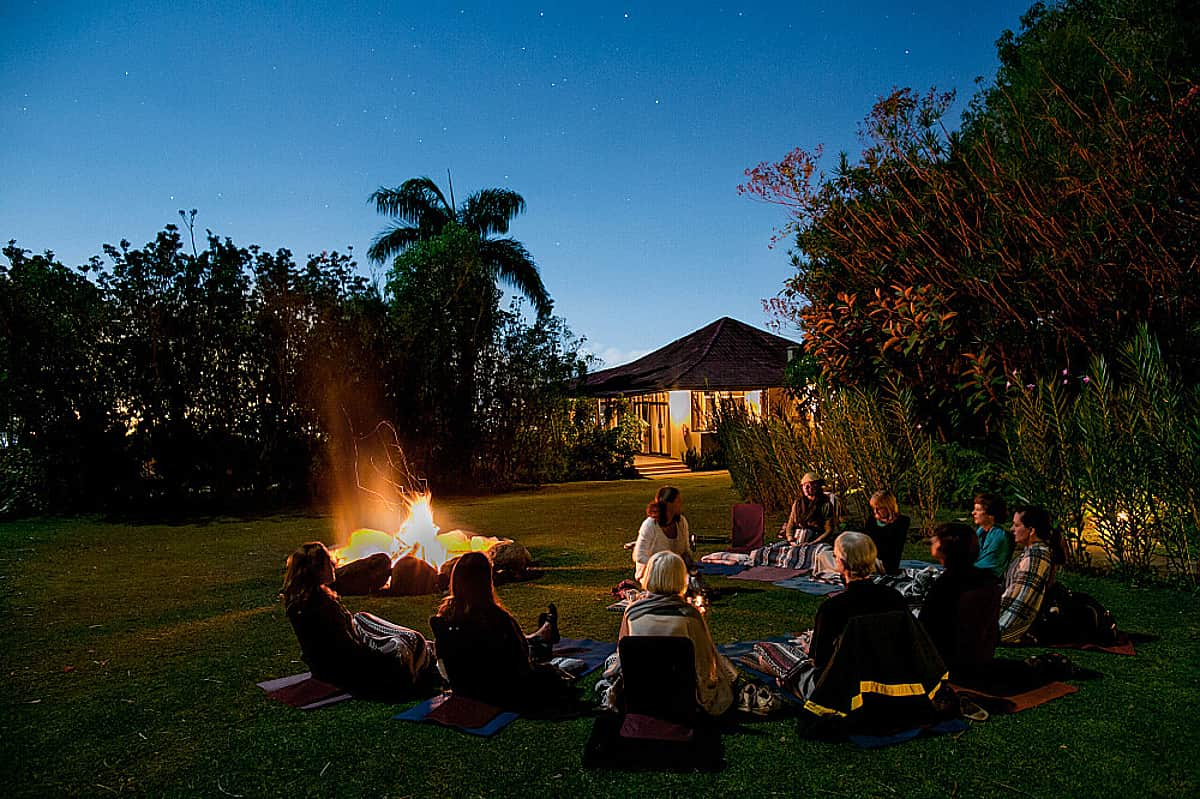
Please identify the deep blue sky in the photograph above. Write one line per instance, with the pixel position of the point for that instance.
(626, 128)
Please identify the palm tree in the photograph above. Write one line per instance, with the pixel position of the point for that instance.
(423, 212)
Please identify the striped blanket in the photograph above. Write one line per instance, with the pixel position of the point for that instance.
(787, 556)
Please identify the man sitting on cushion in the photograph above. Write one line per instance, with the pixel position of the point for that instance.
(854, 556)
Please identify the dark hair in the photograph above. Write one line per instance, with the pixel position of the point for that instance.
(301, 575)
(1038, 518)
(657, 509)
(471, 587)
(960, 545)
(991, 503)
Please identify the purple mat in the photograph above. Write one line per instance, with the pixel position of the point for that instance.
(766, 574)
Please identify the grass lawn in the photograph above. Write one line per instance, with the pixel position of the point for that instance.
(130, 654)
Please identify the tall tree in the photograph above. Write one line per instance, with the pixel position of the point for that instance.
(422, 212)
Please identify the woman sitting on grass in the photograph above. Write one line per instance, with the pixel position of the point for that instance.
(663, 611)
(888, 528)
(995, 545)
(361, 653)
(960, 611)
(483, 652)
(665, 529)
(1031, 574)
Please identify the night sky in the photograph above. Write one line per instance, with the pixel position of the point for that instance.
(626, 128)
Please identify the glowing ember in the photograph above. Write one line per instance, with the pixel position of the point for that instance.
(417, 537)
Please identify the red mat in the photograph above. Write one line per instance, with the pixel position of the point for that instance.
(304, 691)
(1001, 705)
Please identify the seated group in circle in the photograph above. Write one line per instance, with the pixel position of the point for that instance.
(481, 651)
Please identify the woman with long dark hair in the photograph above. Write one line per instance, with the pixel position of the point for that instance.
(665, 529)
(360, 652)
(483, 652)
(1031, 573)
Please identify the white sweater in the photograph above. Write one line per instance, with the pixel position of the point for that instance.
(651, 539)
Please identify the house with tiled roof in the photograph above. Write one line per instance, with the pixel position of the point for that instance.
(675, 389)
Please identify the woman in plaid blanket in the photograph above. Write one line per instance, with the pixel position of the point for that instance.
(361, 653)
(1030, 576)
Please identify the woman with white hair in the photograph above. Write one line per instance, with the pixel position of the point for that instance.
(662, 610)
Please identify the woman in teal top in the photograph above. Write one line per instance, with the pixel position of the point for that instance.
(995, 545)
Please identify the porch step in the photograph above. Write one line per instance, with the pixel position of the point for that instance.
(655, 468)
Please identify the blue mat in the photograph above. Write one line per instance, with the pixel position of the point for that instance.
(917, 564)
(421, 713)
(593, 653)
(879, 741)
(721, 569)
(808, 585)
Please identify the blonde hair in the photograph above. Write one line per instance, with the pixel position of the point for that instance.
(886, 499)
(666, 573)
(857, 553)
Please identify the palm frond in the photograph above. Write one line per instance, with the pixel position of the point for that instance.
(413, 201)
(393, 241)
(511, 262)
(490, 211)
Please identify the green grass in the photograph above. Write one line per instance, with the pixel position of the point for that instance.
(130, 654)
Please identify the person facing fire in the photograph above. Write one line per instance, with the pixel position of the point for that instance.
(360, 653)
(482, 651)
(665, 529)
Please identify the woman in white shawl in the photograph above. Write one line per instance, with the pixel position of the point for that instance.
(663, 611)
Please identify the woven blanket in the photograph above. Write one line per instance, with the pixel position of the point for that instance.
(788, 556)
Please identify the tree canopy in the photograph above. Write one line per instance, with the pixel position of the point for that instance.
(1061, 217)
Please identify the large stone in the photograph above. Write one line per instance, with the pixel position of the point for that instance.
(413, 577)
(363, 576)
(510, 561)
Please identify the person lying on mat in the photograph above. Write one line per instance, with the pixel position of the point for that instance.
(995, 545)
(1031, 573)
(855, 556)
(665, 529)
(360, 653)
(663, 611)
(482, 651)
(813, 518)
(961, 609)
(888, 528)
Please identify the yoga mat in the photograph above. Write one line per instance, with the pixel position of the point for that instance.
(304, 691)
(765, 574)
(457, 712)
(720, 569)
(1123, 646)
(1002, 705)
(808, 585)
(879, 741)
(593, 653)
